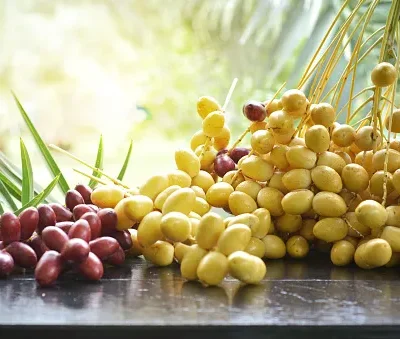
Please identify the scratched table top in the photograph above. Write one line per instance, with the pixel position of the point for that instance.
(303, 297)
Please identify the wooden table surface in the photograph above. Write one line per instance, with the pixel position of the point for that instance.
(297, 297)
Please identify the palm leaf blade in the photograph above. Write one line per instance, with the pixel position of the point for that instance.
(41, 196)
(7, 196)
(43, 148)
(11, 187)
(99, 162)
(126, 162)
(27, 175)
(13, 179)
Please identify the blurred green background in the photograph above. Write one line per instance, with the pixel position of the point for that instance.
(133, 69)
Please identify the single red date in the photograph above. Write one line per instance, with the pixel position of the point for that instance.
(29, 220)
(80, 229)
(72, 199)
(10, 228)
(80, 210)
(47, 217)
(75, 250)
(92, 268)
(6, 263)
(65, 225)
(48, 268)
(54, 238)
(108, 219)
(124, 239)
(104, 247)
(37, 245)
(62, 213)
(85, 191)
(23, 255)
(94, 223)
(117, 258)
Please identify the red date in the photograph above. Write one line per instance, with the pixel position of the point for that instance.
(6, 264)
(62, 213)
(29, 220)
(108, 219)
(65, 225)
(47, 217)
(238, 153)
(10, 228)
(94, 223)
(54, 238)
(92, 268)
(75, 250)
(124, 239)
(94, 208)
(37, 245)
(48, 268)
(80, 229)
(73, 198)
(103, 247)
(23, 255)
(80, 210)
(117, 258)
(85, 191)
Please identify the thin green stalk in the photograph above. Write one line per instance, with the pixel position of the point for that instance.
(359, 108)
(305, 74)
(368, 117)
(92, 177)
(98, 170)
(336, 85)
(98, 163)
(335, 57)
(392, 19)
(357, 51)
(354, 55)
(385, 165)
(354, 97)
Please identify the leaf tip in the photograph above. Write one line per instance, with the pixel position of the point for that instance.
(15, 97)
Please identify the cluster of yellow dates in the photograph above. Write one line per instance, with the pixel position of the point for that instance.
(306, 182)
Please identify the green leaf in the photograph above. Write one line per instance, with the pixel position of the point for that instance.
(10, 169)
(13, 181)
(1, 209)
(14, 175)
(126, 163)
(98, 164)
(11, 187)
(41, 196)
(27, 175)
(43, 148)
(6, 195)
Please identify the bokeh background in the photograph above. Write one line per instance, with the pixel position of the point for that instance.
(133, 69)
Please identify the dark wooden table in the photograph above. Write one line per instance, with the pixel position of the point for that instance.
(298, 299)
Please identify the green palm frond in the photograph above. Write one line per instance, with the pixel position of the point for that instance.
(99, 163)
